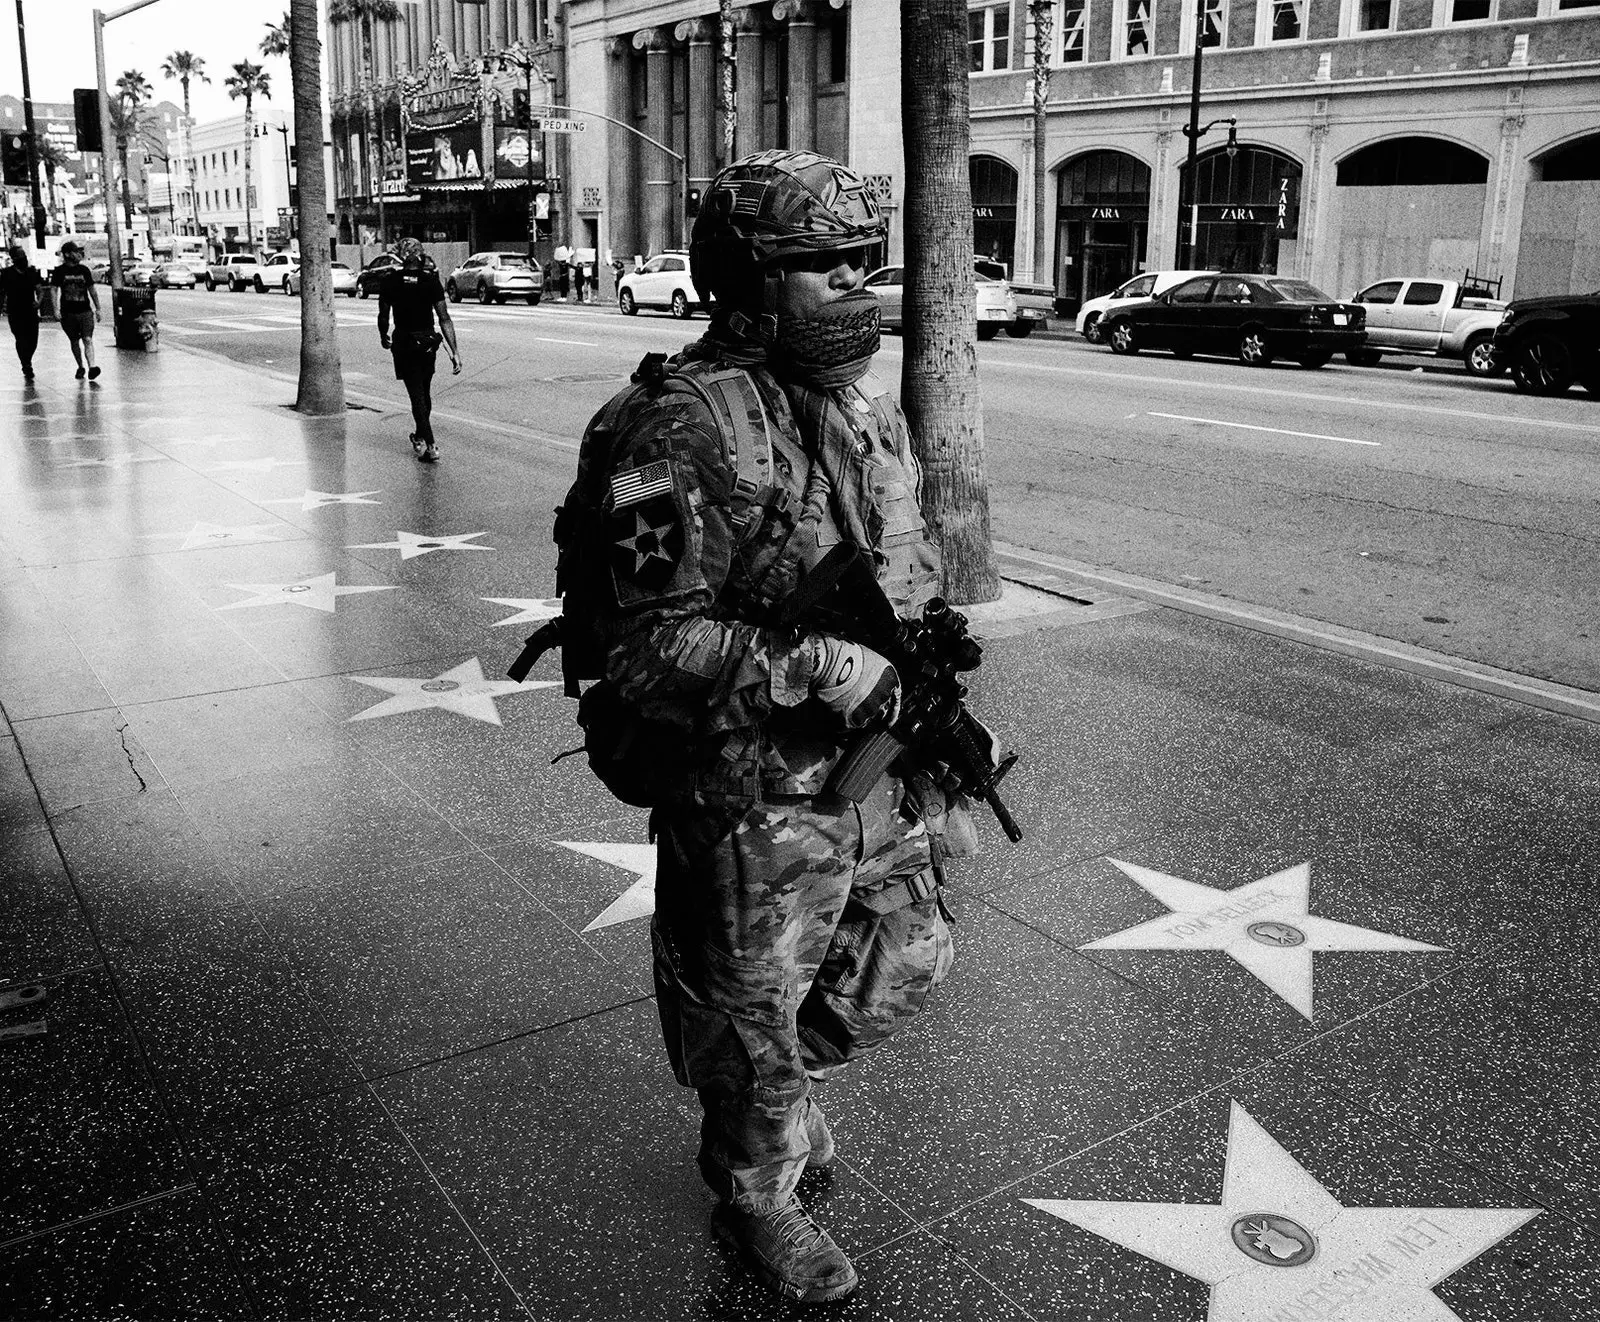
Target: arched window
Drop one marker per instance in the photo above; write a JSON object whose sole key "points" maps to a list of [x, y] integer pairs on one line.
{"points": [[994, 208], [1402, 162], [1574, 161], [1106, 179]]}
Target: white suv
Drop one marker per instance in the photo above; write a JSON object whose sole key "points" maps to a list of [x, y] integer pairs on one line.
{"points": [[276, 272], [663, 282]]}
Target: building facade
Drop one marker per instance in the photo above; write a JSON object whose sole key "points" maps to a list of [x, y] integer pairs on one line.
{"points": [[220, 207], [1373, 138], [1369, 137]]}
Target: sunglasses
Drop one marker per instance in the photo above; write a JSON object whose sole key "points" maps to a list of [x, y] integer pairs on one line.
{"points": [[823, 262]]}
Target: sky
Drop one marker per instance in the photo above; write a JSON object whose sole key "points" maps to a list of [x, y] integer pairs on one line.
{"points": [[222, 32]]}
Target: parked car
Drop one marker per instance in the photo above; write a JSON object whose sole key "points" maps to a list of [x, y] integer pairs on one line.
{"points": [[100, 272], [140, 275], [1439, 318], [371, 275], [275, 272], [493, 277], [1548, 343], [1034, 302], [1255, 317], [1090, 322], [997, 306], [176, 275], [662, 282], [344, 280], [237, 270]]}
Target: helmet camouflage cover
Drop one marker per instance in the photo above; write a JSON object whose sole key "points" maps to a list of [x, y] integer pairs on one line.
{"points": [[779, 204]]}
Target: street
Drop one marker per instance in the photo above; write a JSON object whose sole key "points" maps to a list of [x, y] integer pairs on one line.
{"points": [[1410, 502]]}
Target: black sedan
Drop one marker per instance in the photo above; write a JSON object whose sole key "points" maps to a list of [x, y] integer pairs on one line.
{"points": [[1254, 317], [371, 275]]}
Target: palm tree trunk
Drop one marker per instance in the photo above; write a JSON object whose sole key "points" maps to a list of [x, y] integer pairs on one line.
{"points": [[188, 155], [1043, 24], [321, 391], [939, 380], [127, 193], [374, 143], [249, 140], [727, 21]]}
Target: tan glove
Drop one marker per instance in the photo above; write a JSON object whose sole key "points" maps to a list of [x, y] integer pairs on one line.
{"points": [[854, 681]]}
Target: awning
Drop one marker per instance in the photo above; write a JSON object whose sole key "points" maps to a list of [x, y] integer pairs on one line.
{"points": [[476, 186]]}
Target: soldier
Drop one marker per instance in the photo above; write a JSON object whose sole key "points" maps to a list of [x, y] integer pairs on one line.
{"points": [[413, 295], [794, 929]]}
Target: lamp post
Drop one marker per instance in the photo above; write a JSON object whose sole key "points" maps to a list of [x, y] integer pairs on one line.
{"points": [[1194, 133], [519, 55], [262, 130], [33, 138]]}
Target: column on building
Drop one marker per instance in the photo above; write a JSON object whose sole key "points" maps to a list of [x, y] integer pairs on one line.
{"points": [[802, 20], [747, 137], [498, 37], [700, 140], [659, 172], [621, 197], [1508, 171]]}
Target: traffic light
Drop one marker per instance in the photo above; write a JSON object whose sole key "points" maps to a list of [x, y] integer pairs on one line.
{"points": [[86, 115], [520, 112], [14, 158], [691, 205]]}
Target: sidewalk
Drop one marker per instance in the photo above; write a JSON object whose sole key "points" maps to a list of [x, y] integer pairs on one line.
{"points": [[349, 1006]]}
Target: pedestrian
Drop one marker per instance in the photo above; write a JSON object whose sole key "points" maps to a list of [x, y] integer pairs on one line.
{"points": [[563, 272], [616, 274], [413, 294], [19, 295], [579, 276], [793, 929], [78, 306]]}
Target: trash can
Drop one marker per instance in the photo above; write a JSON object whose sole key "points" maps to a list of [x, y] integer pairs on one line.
{"points": [[133, 319]]}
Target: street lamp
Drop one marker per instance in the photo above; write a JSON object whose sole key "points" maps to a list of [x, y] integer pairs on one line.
{"points": [[1194, 133], [113, 229], [261, 131], [518, 55]]}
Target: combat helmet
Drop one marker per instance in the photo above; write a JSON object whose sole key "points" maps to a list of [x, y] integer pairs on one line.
{"points": [[777, 204]]}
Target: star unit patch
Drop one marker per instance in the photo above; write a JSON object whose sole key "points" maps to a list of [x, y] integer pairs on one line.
{"points": [[637, 485], [646, 542]]}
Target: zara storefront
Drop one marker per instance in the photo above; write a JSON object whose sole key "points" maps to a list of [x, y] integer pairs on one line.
{"points": [[1374, 138]]}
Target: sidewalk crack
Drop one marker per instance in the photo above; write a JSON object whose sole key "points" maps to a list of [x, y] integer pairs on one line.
{"points": [[122, 732]]}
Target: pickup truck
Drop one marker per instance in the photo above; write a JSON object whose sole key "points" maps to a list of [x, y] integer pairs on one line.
{"points": [[1034, 303], [1437, 318], [1548, 343], [237, 270]]}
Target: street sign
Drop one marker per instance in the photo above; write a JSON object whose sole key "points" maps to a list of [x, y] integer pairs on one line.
{"points": [[560, 126]]}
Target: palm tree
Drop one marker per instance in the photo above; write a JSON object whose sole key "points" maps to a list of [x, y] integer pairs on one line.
{"points": [[321, 392], [368, 12], [1043, 14], [276, 42], [248, 81], [939, 378], [127, 123], [53, 159], [187, 67]]}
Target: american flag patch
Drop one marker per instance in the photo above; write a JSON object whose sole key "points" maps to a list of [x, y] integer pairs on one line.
{"points": [[747, 195], [639, 484]]}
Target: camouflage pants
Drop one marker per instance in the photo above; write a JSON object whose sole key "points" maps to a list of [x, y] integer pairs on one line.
{"points": [[764, 970]]}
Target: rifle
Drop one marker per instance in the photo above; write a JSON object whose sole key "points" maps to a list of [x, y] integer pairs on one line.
{"points": [[842, 596]]}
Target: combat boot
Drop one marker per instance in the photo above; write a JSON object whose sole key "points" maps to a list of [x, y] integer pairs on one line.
{"points": [[788, 1251]]}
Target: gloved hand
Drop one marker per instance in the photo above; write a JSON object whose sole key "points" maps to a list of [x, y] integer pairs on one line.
{"points": [[854, 681], [384, 341]]}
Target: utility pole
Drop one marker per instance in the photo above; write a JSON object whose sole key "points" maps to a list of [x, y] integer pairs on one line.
{"points": [[33, 138]]}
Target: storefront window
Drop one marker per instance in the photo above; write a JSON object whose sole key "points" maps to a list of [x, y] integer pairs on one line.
{"points": [[1102, 218], [1071, 24], [1248, 205], [994, 209]]}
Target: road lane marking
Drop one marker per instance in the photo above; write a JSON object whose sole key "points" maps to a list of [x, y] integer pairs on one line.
{"points": [[1299, 397], [1276, 431], [582, 344]]}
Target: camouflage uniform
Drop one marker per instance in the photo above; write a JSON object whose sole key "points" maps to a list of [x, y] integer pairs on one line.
{"points": [[793, 929]]}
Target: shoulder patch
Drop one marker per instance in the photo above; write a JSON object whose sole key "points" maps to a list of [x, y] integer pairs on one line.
{"points": [[634, 486], [646, 541]]}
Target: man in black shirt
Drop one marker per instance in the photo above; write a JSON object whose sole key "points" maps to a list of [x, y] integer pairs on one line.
{"points": [[413, 294], [79, 306], [19, 295]]}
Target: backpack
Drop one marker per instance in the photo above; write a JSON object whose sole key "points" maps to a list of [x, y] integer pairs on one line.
{"points": [[638, 759]]}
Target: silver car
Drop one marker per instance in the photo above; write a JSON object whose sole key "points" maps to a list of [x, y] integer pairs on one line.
{"points": [[344, 280], [996, 305], [493, 277]]}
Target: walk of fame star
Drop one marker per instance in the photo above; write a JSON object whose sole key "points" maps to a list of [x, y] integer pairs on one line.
{"points": [[114, 461], [1280, 1248], [221, 534], [315, 500], [320, 593], [461, 689], [1262, 925], [639, 900], [411, 544], [530, 610]]}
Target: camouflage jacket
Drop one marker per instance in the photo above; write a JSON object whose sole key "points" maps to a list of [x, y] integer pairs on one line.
{"points": [[706, 531]]}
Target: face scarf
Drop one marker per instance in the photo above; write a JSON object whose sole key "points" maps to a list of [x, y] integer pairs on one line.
{"points": [[833, 348]]}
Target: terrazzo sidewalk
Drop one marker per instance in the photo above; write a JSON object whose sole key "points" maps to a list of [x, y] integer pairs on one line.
{"points": [[1282, 1010]]}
